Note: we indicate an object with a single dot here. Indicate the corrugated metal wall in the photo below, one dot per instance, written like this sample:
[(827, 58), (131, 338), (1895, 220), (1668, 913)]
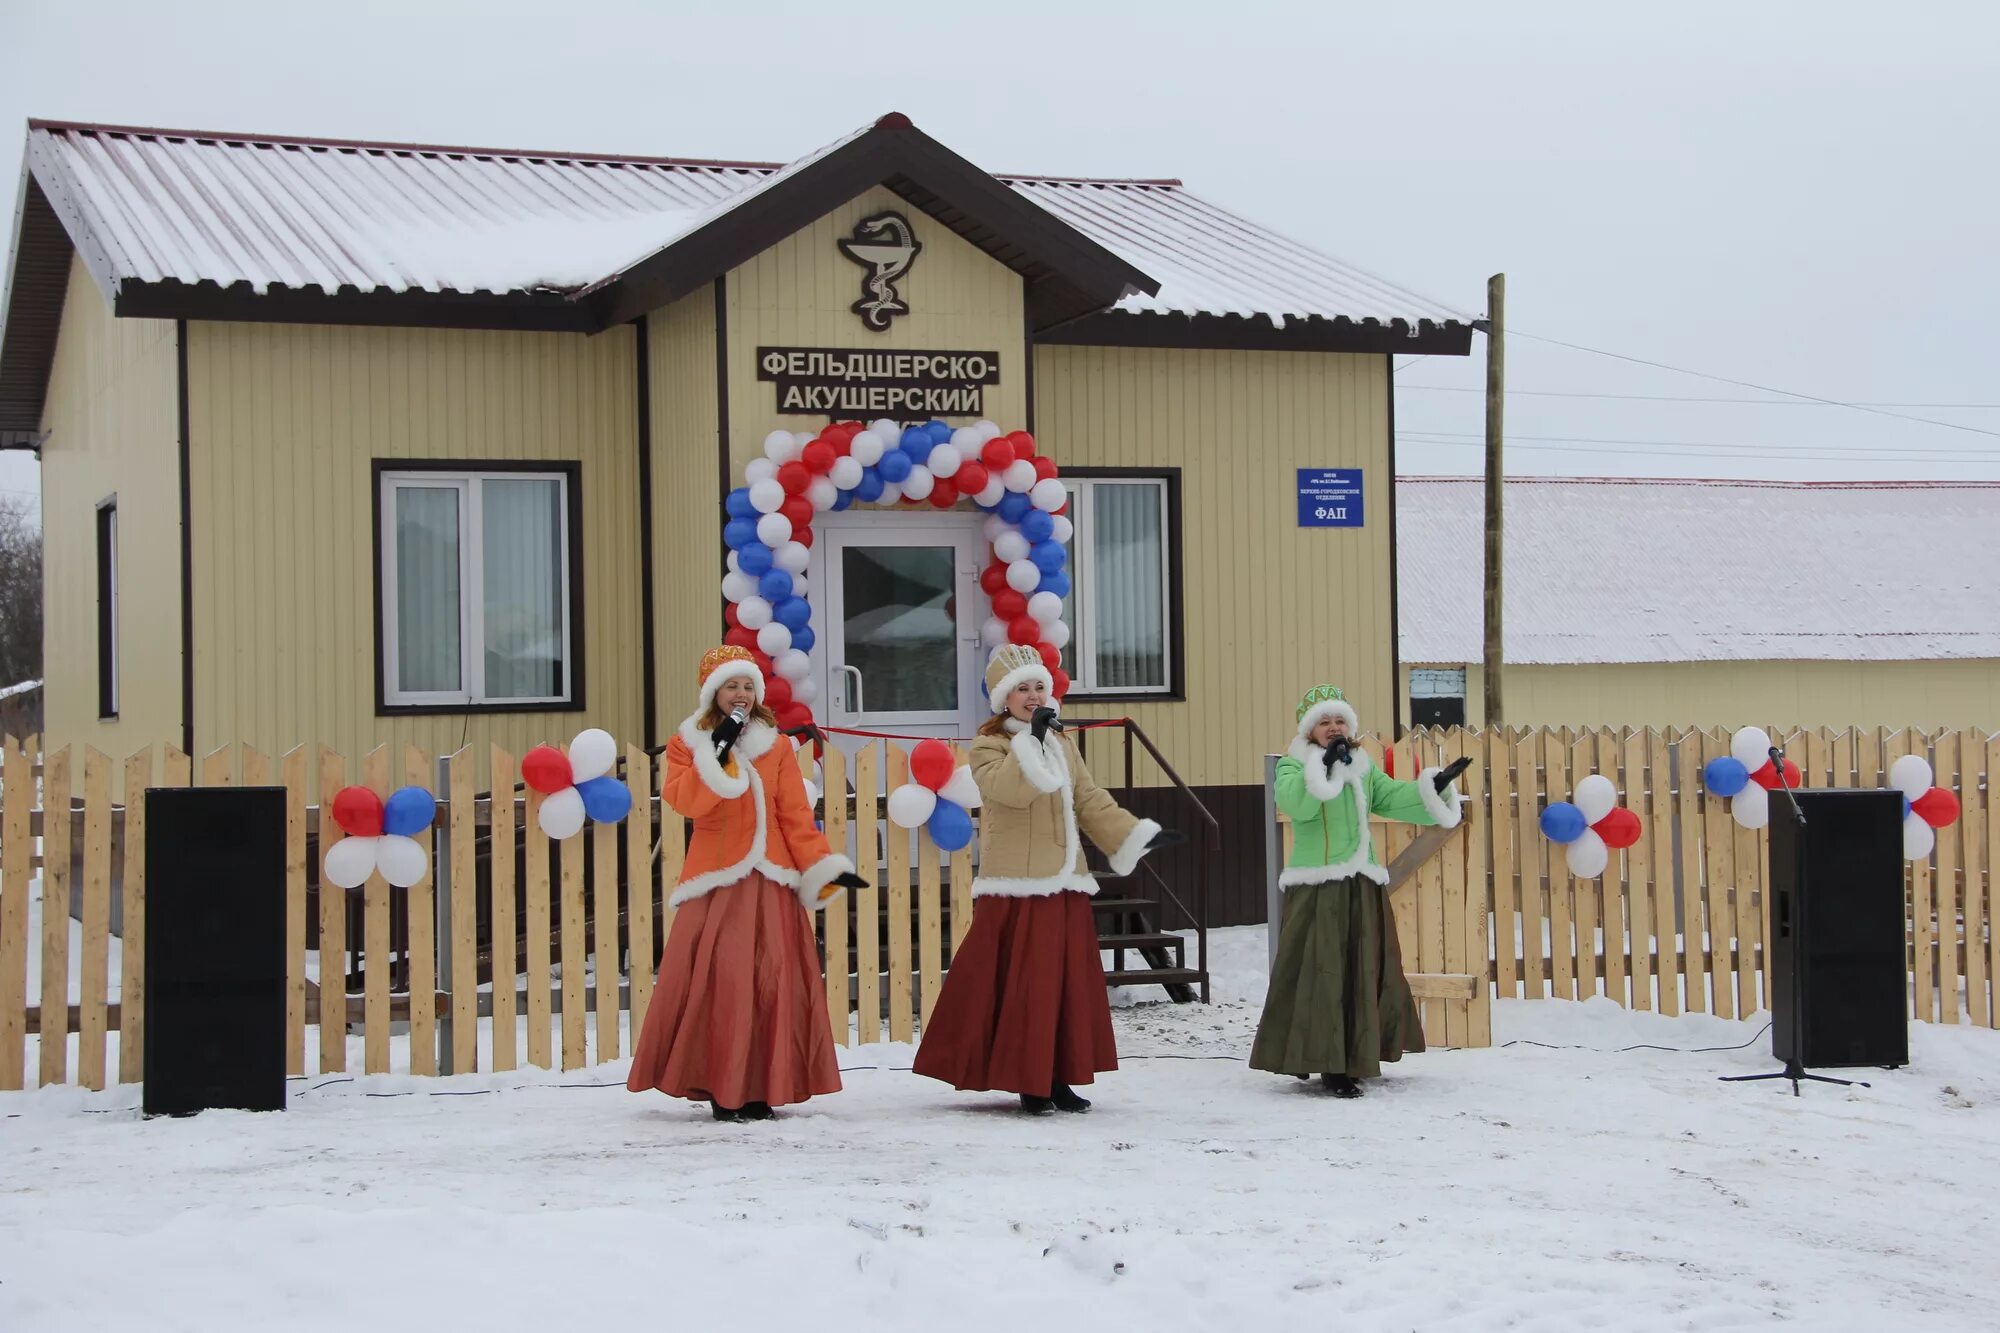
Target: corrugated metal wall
[(110, 415), (285, 420), (1271, 609), (687, 510)]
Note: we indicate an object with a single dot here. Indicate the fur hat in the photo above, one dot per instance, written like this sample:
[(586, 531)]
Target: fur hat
[(1322, 702), (1015, 664), (728, 663)]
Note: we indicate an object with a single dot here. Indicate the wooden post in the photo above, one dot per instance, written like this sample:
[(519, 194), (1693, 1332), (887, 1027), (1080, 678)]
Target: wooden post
[(1496, 376)]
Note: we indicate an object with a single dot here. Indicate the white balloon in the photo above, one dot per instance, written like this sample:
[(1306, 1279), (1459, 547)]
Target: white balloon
[(1023, 576), (1751, 807), (780, 447), (994, 632), (1751, 747), (753, 613), (1911, 775), (802, 438), (351, 861), (891, 492), (592, 754), (1011, 546), (946, 460), (866, 448), (774, 530), (794, 665), (823, 494), (1048, 494), (1020, 476), (910, 806), (1918, 839), (403, 861), (994, 526), (806, 691), (759, 469), (987, 431), (1056, 635), (1596, 796), (800, 583), (1046, 608), (738, 587), (774, 639), (846, 473), (962, 789), (735, 564), (1587, 856), (920, 483), (792, 557), (766, 496), (885, 430), (967, 439), (1064, 531), (996, 487), (562, 814)]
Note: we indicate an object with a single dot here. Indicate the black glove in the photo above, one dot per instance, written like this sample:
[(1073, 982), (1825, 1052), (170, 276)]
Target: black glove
[(850, 880), (727, 732), (1340, 751), (1444, 777), (1167, 837), (1044, 719)]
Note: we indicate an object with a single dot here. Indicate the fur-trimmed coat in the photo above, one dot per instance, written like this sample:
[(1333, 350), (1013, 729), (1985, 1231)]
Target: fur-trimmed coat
[(1329, 813), (1037, 798), (752, 814)]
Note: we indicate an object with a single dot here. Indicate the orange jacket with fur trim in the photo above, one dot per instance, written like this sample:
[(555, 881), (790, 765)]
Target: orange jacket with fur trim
[(751, 815)]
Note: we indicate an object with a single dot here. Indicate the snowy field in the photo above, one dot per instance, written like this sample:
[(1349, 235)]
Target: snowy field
[(1518, 1187)]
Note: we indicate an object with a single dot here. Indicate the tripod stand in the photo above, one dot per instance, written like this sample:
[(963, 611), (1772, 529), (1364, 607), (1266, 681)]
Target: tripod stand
[(1794, 1071)]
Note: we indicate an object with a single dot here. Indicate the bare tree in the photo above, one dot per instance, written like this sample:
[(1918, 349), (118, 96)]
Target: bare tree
[(20, 592)]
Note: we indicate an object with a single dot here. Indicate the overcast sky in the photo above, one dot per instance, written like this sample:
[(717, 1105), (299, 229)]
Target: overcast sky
[(1794, 195)]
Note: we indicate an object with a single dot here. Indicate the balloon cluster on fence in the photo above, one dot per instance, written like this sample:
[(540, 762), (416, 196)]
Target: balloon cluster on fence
[(577, 784), (380, 836), (769, 535), (1747, 775), (1926, 809), (939, 798), (1591, 827)]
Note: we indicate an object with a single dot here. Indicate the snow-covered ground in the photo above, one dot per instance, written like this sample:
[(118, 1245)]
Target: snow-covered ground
[(1522, 1186)]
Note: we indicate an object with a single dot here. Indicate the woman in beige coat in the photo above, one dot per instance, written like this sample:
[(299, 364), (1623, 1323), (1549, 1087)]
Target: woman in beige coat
[(1024, 1007)]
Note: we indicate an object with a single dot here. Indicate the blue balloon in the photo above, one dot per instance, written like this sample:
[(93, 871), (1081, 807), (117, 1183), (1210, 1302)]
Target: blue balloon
[(755, 558), (939, 432), (793, 613), (605, 799), (1057, 583), (915, 440), (738, 504), (1037, 526), (870, 488), (408, 811), (950, 827), (1015, 506), (895, 465), (775, 586), (1048, 557), (1724, 776), (1906, 807), (738, 533), (803, 638), (1563, 822), (842, 501)]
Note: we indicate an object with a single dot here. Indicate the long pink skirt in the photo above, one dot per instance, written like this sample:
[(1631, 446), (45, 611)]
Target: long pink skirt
[(739, 1014)]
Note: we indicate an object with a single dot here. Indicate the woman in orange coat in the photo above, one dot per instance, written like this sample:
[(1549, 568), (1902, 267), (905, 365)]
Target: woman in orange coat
[(739, 1017)]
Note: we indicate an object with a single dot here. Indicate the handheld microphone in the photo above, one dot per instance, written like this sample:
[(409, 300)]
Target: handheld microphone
[(738, 716)]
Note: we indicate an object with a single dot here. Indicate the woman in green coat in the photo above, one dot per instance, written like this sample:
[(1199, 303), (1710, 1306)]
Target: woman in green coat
[(1338, 1004)]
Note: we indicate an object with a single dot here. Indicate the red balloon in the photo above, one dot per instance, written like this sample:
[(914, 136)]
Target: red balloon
[(818, 457), (1061, 679), (1620, 828), (1024, 445), (795, 715), (943, 494), (547, 770), (970, 478), (741, 638), (1936, 807), (1767, 776), (1045, 468), (765, 666), (1023, 630), (840, 442), (993, 579), (798, 509), (802, 533), (730, 617), (997, 453), (1010, 605), (794, 478), (931, 764), (358, 811), (1051, 655), (908, 500), (777, 693)]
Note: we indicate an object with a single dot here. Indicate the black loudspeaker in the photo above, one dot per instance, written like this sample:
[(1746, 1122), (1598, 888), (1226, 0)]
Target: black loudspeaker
[(215, 949), (1839, 985)]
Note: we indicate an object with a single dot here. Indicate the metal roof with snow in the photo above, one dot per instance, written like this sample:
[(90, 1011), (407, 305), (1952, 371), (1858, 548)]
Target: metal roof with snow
[(1648, 570)]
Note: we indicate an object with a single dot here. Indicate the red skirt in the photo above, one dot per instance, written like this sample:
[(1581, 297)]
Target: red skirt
[(1024, 1005), (739, 1014)]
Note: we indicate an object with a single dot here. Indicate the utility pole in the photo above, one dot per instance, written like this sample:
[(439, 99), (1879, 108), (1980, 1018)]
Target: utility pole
[(1496, 389)]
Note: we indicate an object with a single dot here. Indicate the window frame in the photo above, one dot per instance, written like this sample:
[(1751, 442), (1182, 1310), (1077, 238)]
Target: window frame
[(105, 544), (386, 473), (1084, 592)]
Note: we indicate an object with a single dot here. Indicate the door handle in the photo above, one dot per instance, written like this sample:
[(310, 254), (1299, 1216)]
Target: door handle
[(854, 704)]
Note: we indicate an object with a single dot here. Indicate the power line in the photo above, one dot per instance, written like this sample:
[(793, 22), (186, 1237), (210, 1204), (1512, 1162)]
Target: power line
[(1706, 453), (1687, 398), (1971, 451)]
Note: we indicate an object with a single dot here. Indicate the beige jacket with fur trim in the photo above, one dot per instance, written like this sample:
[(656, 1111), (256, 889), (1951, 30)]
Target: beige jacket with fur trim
[(1037, 798)]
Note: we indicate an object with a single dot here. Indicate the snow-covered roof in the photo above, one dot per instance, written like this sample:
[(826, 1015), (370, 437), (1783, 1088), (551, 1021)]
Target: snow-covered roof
[(1646, 570)]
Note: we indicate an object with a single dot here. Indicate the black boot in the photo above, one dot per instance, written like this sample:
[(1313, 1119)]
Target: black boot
[(1340, 1085), (757, 1111), (1065, 1098), (1037, 1105), (727, 1114)]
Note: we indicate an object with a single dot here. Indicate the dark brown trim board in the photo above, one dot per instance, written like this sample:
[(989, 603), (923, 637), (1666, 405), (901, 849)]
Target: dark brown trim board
[(1395, 603), (1176, 691), (543, 312), (649, 650), (107, 607), (1256, 333), (721, 441), (187, 535), (1028, 361)]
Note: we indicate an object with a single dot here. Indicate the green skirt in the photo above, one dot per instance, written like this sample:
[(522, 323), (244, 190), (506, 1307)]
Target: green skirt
[(1338, 1002)]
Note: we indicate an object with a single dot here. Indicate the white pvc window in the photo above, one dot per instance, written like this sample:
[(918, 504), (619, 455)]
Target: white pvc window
[(1119, 603), (476, 589)]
